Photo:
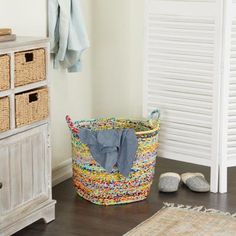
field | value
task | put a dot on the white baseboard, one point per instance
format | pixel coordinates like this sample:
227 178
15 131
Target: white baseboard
62 172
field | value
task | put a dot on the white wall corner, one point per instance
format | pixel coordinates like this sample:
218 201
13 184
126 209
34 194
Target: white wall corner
62 172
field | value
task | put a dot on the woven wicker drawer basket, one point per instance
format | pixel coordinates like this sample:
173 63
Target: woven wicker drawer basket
31 106
4 114
30 67
4 72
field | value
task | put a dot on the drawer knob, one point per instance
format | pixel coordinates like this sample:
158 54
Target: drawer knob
1 185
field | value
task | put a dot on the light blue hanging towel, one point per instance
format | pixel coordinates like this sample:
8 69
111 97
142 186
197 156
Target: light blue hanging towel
67 33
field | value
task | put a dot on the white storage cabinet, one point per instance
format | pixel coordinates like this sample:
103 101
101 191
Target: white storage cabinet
25 154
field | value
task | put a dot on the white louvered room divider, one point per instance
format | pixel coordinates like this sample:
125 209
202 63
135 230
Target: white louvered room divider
190 74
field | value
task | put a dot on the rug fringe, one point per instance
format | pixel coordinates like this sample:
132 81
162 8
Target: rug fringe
198 209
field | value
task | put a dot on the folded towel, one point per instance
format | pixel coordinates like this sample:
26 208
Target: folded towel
5 31
67 33
111 147
5 38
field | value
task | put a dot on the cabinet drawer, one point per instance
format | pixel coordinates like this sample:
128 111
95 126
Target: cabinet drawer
30 67
4 72
31 106
4 114
24 173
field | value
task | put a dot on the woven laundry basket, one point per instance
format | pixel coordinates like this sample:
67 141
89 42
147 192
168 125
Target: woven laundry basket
31 106
4 72
93 183
4 114
30 67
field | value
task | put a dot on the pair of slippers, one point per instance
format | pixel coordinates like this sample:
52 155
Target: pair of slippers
169 182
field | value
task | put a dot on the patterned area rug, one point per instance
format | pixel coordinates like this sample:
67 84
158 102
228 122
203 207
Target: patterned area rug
180 220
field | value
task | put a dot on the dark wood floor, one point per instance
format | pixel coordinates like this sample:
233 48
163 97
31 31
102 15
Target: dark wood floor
75 216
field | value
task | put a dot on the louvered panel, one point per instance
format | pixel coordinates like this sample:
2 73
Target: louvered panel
231 146
174 69
178 95
180 101
164 86
180 81
186 149
180 76
187 128
185 109
185 139
191 136
232 130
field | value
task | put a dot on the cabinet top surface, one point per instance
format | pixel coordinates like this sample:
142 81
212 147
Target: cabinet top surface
23 41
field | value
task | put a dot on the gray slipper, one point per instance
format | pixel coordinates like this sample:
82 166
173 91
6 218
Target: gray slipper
195 182
169 182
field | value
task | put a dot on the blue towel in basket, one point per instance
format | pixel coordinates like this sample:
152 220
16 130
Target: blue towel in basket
112 147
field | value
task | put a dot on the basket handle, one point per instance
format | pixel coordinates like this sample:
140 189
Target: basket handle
155 115
71 125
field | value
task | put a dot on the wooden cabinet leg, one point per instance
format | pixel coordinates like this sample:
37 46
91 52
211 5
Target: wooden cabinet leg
49 214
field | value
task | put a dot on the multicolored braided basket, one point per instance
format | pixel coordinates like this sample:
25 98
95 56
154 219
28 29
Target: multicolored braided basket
94 184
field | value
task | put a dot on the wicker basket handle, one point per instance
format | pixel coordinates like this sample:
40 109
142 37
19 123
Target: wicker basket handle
71 125
154 116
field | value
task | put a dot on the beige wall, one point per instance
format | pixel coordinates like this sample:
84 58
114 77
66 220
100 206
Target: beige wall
118 59
71 94
111 81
